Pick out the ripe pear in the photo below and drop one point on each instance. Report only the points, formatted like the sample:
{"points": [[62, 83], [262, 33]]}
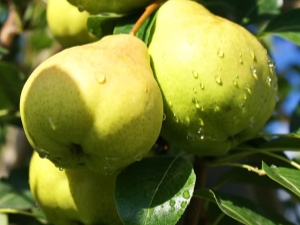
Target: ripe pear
{"points": [[71, 197], [96, 105], [67, 24], [113, 6], [218, 83]]}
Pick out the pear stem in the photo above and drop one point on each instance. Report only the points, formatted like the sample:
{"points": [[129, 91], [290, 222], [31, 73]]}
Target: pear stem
{"points": [[148, 11]]}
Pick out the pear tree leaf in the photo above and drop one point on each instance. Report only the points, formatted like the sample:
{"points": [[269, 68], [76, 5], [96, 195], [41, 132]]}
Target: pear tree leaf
{"points": [[295, 119], [289, 178], [125, 26], [102, 24], [15, 192], [289, 142], [285, 25], [239, 208], [155, 190]]}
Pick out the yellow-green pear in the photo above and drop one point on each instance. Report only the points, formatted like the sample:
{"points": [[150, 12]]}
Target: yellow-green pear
{"points": [[112, 6], [71, 197], [218, 83], [96, 105], [67, 24]]}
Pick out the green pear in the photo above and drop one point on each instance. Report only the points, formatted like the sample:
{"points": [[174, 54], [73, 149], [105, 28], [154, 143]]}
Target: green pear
{"points": [[113, 6], [72, 196], [67, 25], [218, 83], [96, 105]]}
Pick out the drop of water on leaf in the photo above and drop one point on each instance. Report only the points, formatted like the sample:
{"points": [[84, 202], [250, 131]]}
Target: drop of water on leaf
{"points": [[195, 74], [172, 203], [186, 194], [101, 78], [183, 204], [218, 80], [202, 85], [220, 53], [42, 153]]}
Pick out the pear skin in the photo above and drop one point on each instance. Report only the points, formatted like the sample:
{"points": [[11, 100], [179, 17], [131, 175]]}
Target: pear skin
{"points": [[218, 83], [96, 105]]}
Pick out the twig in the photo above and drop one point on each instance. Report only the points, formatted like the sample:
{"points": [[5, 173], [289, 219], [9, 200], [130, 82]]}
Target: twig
{"points": [[149, 10], [195, 211]]}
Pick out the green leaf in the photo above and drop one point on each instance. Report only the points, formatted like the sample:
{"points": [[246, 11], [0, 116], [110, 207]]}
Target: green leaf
{"points": [[15, 192], [239, 208], [287, 177], [285, 25], [291, 142], [156, 191], [295, 120], [102, 24]]}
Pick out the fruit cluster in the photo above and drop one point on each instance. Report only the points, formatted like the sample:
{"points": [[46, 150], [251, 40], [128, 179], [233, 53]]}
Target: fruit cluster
{"points": [[203, 83]]}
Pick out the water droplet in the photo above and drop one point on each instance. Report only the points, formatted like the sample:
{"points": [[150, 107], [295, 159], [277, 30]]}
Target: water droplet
{"points": [[42, 153], [204, 42], [164, 55], [253, 71], [202, 85], [271, 63], [61, 169], [219, 68], [80, 8], [195, 90], [216, 106], [176, 118], [183, 204], [197, 105], [186, 194], [269, 80], [194, 100], [170, 104], [218, 80], [252, 56], [138, 156], [191, 39], [220, 53], [101, 78], [240, 54], [201, 122], [245, 96], [195, 74], [276, 98], [111, 160], [274, 86], [237, 76], [51, 123], [164, 117], [240, 61], [235, 83], [242, 105], [172, 202], [200, 134], [248, 89], [223, 40]]}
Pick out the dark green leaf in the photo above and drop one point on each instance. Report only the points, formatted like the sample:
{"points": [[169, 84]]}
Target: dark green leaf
{"points": [[102, 24], [15, 192], [287, 177], [295, 120], [154, 191], [291, 142], [285, 25], [239, 208]]}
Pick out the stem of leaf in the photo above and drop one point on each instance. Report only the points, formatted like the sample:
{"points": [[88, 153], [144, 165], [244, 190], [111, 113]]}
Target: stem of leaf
{"points": [[149, 10], [219, 218], [245, 166]]}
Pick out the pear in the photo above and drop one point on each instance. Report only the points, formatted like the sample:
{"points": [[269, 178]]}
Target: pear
{"points": [[67, 25], [72, 196], [96, 105], [113, 6], [218, 83]]}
